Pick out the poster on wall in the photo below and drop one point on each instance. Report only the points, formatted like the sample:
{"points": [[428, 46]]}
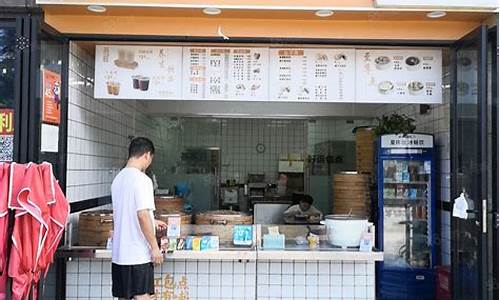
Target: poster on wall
{"points": [[51, 105], [398, 76], [6, 134], [138, 72], [312, 75], [225, 73]]}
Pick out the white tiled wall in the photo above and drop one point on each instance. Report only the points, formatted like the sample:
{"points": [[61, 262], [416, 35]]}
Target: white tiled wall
{"points": [[99, 131], [315, 280], [241, 136], [266, 280], [324, 130], [91, 279], [238, 138]]}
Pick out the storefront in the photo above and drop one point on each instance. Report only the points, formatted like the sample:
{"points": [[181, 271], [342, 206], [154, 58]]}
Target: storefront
{"points": [[252, 106]]}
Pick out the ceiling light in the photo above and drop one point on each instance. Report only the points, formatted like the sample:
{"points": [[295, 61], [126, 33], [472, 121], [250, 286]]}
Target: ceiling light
{"points": [[323, 13], [96, 8], [436, 14], [211, 11]]}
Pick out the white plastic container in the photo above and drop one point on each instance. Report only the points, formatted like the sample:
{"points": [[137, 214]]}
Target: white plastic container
{"points": [[345, 230]]}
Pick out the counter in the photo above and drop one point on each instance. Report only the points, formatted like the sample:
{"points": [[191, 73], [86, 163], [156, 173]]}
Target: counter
{"points": [[295, 272], [298, 254]]}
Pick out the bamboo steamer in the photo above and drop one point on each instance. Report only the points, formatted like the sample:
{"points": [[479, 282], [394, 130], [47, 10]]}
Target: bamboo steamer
{"points": [[365, 150], [94, 227], [212, 221], [351, 192], [223, 217], [163, 215], [169, 203]]}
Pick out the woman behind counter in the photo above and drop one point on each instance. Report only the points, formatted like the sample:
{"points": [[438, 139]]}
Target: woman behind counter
{"points": [[304, 212]]}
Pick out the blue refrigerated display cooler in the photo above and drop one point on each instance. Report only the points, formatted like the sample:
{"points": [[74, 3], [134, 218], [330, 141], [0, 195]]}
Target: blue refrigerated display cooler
{"points": [[406, 216]]}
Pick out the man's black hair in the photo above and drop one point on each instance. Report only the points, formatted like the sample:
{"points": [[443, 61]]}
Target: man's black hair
{"points": [[139, 146], [307, 199]]}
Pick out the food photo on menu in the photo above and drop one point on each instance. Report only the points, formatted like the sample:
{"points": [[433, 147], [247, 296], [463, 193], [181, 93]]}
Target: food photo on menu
{"points": [[398, 74]]}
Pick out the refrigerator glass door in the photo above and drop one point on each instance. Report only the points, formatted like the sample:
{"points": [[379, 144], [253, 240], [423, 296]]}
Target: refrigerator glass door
{"points": [[407, 200]]}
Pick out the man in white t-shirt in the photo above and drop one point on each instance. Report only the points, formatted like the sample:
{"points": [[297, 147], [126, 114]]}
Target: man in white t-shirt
{"points": [[135, 248]]}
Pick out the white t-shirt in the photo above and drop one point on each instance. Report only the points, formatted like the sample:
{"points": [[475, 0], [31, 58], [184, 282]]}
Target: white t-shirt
{"points": [[131, 191]]}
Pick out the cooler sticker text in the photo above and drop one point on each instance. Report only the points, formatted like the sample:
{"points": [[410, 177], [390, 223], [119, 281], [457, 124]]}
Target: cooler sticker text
{"points": [[398, 142]]}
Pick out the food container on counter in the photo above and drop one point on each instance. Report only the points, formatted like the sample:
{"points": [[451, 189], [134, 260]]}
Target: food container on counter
{"points": [[345, 230], [94, 227], [169, 203], [223, 217], [220, 223], [163, 215]]}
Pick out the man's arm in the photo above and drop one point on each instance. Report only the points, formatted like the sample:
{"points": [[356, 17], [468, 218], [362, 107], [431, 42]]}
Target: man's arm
{"points": [[148, 232]]}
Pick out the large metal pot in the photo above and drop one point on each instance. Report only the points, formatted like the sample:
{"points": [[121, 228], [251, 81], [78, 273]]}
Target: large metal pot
{"points": [[345, 230]]}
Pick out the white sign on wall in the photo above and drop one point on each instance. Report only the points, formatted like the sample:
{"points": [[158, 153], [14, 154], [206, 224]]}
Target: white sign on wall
{"points": [[407, 141], [225, 73], [138, 72], [312, 75], [398, 76]]}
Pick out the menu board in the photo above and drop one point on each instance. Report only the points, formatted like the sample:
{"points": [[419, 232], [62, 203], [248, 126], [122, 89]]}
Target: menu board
{"points": [[398, 76], [138, 72], [225, 73], [312, 75]]}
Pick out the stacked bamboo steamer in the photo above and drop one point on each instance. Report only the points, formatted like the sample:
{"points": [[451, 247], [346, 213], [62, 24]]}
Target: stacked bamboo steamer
{"points": [[223, 217], [171, 206], [212, 219], [365, 151], [163, 215], [169, 203], [351, 192], [94, 227]]}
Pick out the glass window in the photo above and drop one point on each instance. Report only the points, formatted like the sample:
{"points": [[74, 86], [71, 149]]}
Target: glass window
{"points": [[7, 83]]}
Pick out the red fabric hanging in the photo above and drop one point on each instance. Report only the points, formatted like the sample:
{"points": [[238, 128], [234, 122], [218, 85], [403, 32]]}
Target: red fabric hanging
{"points": [[41, 212]]}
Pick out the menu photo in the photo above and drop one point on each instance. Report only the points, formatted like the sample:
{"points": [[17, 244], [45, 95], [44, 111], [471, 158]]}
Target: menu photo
{"points": [[249, 74], [138, 72], [312, 75], [399, 76], [225, 73]]}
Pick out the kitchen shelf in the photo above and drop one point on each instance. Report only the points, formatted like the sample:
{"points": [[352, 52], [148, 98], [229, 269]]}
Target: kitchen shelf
{"points": [[407, 183], [405, 201], [405, 198]]}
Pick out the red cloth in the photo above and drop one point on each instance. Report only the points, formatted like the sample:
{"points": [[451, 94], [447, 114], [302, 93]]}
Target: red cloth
{"points": [[59, 212], [17, 172], [41, 212], [29, 233], [4, 226], [39, 224]]}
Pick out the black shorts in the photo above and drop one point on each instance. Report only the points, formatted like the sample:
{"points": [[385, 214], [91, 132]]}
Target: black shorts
{"points": [[132, 280]]}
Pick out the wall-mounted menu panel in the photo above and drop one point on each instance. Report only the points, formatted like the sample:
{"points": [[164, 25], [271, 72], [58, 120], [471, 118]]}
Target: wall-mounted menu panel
{"points": [[398, 76], [225, 73], [271, 74], [312, 75], [138, 72]]}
